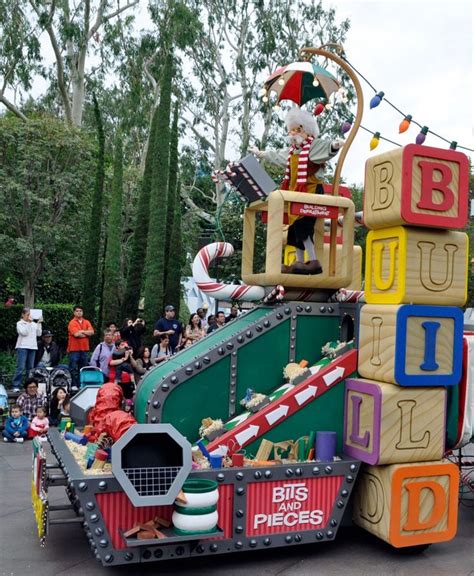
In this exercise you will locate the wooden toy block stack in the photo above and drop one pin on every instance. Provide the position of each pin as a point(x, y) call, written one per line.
point(410, 344)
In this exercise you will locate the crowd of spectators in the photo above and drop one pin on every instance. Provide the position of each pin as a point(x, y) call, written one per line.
point(120, 356)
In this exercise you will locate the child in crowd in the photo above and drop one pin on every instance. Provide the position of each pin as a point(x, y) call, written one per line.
point(56, 407)
point(39, 425)
point(16, 426)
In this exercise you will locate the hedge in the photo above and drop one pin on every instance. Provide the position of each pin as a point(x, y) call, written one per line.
point(55, 318)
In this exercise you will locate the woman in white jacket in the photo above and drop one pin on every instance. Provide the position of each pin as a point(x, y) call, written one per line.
point(26, 346)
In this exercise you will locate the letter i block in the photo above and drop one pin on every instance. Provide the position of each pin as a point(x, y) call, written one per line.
point(416, 265)
point(417, 186)
point(386, 424)
point(408, 504)
point(411, 345)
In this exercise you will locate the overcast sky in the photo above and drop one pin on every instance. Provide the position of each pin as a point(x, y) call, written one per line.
point(420, 53)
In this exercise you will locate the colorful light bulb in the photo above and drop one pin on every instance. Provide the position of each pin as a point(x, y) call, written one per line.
point(376, 100)
point(281, 81)
point(346, 126)
point(405, 124)
point(375, 141)
point(315, 82)
point(421, 137)
point(318, 109)
point(265, 99)
point(263, 92)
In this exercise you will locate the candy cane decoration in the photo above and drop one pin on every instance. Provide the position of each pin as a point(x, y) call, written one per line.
point(217, 289)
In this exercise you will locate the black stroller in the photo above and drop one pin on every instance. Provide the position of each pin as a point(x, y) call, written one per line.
point(51, 378)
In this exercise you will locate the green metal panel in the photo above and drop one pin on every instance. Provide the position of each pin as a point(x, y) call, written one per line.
point(201, 348)
point(324, 413)
point(312, 332)
point(206, 394)
point(260, 363)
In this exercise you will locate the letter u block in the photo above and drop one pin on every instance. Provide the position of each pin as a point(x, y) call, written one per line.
point(386, 424)
point(408, 504)
point(416, 265)
point(417, 186)
point(411, 345)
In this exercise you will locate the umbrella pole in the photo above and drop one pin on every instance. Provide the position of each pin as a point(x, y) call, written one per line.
point(358, 118)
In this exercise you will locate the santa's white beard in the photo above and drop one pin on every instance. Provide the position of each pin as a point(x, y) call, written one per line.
point(295, 140)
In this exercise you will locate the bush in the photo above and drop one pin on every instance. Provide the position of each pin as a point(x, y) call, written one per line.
point(55, 318)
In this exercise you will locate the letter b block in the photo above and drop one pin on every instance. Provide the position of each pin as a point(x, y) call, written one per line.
point(411, 345)
point(419, 266)
point(408, 504)
point(417, 186)
point(387, 424)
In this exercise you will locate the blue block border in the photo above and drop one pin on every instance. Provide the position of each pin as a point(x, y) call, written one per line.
point(410, 310)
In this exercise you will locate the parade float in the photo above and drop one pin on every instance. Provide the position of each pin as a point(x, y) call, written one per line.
point(319, 403)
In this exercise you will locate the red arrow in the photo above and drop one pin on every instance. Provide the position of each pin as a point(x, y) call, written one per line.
point(346, 365)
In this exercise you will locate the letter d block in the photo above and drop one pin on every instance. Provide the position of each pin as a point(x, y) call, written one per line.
point(386, 424)
point(408, 504)
point(416, 186)
point(411, 345)
point(416, 265)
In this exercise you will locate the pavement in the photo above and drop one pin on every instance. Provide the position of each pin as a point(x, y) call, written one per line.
point(354, 552)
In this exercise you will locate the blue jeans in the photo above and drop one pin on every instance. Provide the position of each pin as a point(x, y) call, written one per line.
point(77, 360)
point(25, 360)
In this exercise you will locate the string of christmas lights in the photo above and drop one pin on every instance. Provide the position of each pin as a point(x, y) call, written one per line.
point(404, 124)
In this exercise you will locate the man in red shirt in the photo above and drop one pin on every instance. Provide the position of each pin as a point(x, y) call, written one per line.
point(79, 330)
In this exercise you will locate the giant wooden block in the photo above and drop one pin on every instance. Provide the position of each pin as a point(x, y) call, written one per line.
point(408, 504)
point(281, 202)
point(416, 265)
point(387, 424)
point(417, 186)
point(411, 345)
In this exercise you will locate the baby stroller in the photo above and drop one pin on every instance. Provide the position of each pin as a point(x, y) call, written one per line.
point(91, 376)
point(42, 375)
point(51, 378)
point(60, 377)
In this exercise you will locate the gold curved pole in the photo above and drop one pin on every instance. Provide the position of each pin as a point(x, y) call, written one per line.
point(309, 51)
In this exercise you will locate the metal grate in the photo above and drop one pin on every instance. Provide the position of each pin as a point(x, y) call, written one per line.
point(152, 481)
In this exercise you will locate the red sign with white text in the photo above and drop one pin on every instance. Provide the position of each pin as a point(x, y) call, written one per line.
point(314, 210)
point(290, 505)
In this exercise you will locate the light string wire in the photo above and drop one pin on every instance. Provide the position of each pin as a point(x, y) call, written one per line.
point(398, 110)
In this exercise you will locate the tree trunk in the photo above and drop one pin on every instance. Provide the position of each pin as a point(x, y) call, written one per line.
point(29, 288)
point(78, 88)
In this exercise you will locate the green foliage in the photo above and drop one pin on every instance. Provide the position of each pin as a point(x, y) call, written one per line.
point(45, 170)
point(7, 366)
point(139, 241)
point(175, 262)
point(112, 289)
point(55, 318)
point(172, 268)
point(155, 255)
point(91, 259)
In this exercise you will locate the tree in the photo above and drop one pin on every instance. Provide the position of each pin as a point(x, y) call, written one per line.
point(91, 259)
point(155, 254)
point(138, 250)
point(172, 193)
point(45, 171)
point(111, 297)
point(72, 27)
point(19, 52)
point(175, 260)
